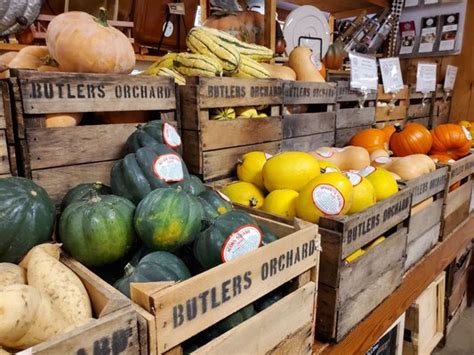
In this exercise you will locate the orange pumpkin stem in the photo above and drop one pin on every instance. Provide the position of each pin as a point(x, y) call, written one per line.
point(102, 17)
point(398, 128)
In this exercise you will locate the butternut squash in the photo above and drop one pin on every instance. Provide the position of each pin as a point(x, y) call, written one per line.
point(412, 166)
point(347, 158)
point(378, 153)
point(63, 119)
point(300, 61)
point(280, 71)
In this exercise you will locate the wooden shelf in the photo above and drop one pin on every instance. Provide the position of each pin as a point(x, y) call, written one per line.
point(343, 8)
point(413, 284)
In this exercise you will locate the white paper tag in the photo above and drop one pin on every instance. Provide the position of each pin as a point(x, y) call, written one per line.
point(411, 3)
point(328, 199)
point(354, 178)
point(366, 171)
point(450, 78)
point(363, 72)
point(429, 2)
point(383, 160)
point(169, 168)
point(171, 136)
point(426, 77)
point(391, 75)
point(324, 153)
point(467, 133)
point(243, 240)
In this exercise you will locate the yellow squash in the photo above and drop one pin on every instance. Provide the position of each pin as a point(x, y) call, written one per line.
point(382, 180)
point(281, 202)
point(244, 193)
point(364, 193)
point(249, 168)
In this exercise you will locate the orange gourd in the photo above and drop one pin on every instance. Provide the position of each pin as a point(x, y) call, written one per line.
point(452, 140)
point(389, 130)
point(441, 158)
point(413, 139)
point(335, 55)
point(82, 43)
point(370, 139)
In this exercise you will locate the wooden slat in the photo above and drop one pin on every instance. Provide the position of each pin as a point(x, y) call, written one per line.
point(458, 198)
point(401, 95)
point(346, 94)
point(54, 147)
point(415, 282)
point(425, 219)
point(305, 124)
point(421, 245)
point(460, 169)
point(304, 92)
point(384, 113)
point(363, 227)
point(254, 285)
point(229, 92)
point(308, 143)
point(244, 131)
point(57, 181)
point(76, 92)
point(428, 185)
point(264, 330)
point(192, 151)
point(454, 220)
point(355, 117)
point(4, 157)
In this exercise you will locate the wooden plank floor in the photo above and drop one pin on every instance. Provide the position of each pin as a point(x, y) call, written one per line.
point(417, 280)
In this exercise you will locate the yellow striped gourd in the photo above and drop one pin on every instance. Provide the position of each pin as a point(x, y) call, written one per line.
point(191, 64)
point(250, 68)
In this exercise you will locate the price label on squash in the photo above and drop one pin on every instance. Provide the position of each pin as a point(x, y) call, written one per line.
point(426, 77)
point(391, 75)
point(170, 136)
point(169, 168)
point(450, 78)
point(363, 72)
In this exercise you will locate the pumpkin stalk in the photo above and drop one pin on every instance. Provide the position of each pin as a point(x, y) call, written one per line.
point(253, 202)
point(102, 17)
point(94, 196)
point(398, 128)
point(129, 269)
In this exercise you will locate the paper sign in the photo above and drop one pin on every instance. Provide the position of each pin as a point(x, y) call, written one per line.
point(391, 75)
point(429, 27)
point(429, 2)
point(411, 3)
point(450, 78)
point(426, 78)
point(363, 72)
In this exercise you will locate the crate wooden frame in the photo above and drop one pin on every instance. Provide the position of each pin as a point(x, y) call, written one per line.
point(350, 120)
point(399, 326)
point(425, 224)
point(114, 327)
point(456, 270)
point(293, 332)
point(348, 292)
point(425, 319)
point(8, 162)
point(441, 107)
point(419, 111)
point(60, 158)
point(212, 148)
point(399, 111)
point(311, 130)
point(457, 202)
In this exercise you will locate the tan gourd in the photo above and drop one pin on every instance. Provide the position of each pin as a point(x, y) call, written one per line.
point(300, 61)
point(63, 119)
point(32, 57)
point(347, 158)
point(280, 71)
point(378, 153)
point(412, 166)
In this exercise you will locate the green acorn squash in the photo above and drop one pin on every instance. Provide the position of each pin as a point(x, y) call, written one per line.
point(155, 266)
point(230, 322)
point(154, 132)
point(99, 230)
point(167, 219)
point(268, 236)
point(270, 298)
point(26, 217)
point(213, 204)
point(229, 236)
point(192, 185)
point(83, 191)
point(149, 168)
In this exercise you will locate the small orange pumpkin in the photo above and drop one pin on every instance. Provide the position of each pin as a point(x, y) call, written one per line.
point(441, 158)
point(370, 139)
point(413, 139)
point(452, 140)
point(388, 130)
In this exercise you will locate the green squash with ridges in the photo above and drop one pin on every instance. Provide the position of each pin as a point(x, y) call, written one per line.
point(152, 133)
point(155, 266)
point(167, 219)
point(192, 185)
point(98, 231)
point(228, 237)
point(83, 191)
point(150, 168)
point(26, 217)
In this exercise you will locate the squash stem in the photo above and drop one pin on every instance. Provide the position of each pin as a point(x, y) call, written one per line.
point(129, 269)
point(253, 202)
point(102, 17)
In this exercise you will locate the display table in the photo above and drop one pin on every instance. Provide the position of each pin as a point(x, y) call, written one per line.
point(414, 283)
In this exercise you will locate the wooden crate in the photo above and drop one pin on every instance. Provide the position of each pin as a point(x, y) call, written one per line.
point(420, 107)
point(285, 327)
point(350, 117)
point(391, 343)
point(455, 317)
point(348, 292)
point(60, 158)
point(456, 270)
point(7, 138)
point(391, 113)
point(424, 322)
point(441, 107)
point(212, 148)
point(457, 202)
point(314, 128)
point(425, 223)
point(114, 330)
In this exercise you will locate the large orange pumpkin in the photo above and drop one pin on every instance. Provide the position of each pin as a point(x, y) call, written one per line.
point(452, 140)
point(413, 139)
point(370, 139)
point(81, 43)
